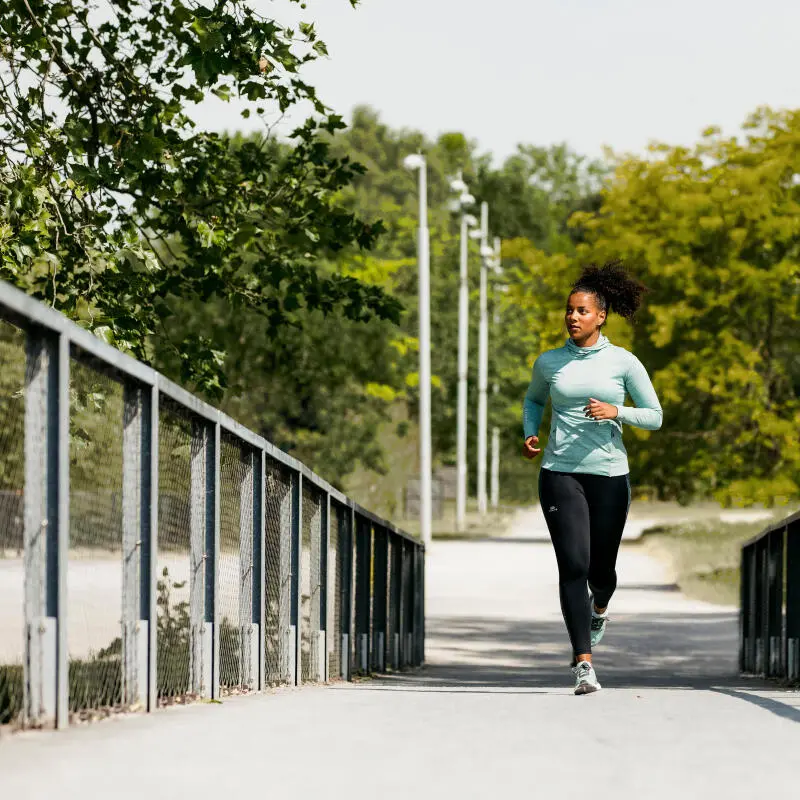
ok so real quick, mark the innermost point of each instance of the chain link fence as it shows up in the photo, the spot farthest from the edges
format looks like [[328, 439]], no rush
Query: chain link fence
[[153, 551], [95, 561], [12, 501], [335, 586], [173, 571]]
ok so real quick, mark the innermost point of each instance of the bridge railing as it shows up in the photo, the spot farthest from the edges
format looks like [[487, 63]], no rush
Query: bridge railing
[[154, 551], [770, 602]]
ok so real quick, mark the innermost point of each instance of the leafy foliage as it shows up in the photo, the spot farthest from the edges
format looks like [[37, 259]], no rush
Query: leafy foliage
[[112, 203], [713, 231]]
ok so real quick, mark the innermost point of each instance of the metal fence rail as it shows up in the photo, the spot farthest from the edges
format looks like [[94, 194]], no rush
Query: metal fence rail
[[153, 550], [769, 640]]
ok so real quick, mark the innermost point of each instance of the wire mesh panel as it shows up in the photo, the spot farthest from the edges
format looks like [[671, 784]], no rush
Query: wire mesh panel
[[310, 583], [792, 573], [393, 613], [95, 561], [12, 481], [236, 531], [408, 603], [363, 593], [380, 559], [334, 630], [174, 513], [277, 571]]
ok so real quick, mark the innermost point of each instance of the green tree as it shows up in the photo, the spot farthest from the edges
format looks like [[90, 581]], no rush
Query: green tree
[[532, 196], [534, 192], [112, 203], [713, 232]]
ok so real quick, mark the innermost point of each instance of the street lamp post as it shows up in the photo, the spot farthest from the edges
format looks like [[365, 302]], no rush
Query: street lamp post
[[483, 359], [495, 477], [467, 221], [417, 162]]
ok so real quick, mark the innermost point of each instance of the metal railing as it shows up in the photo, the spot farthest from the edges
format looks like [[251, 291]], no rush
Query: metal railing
[[153, 550], [769, 631]]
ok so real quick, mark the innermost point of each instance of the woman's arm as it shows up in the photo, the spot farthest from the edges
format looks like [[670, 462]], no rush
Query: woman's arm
[[648, 413], [535, 399]]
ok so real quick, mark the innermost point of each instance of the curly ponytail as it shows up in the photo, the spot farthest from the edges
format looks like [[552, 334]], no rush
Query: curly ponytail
[[614, 289]]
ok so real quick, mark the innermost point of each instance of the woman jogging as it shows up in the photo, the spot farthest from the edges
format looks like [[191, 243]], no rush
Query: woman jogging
[[584, 488]]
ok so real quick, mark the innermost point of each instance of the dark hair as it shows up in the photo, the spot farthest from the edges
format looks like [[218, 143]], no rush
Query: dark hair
[[614, 289]]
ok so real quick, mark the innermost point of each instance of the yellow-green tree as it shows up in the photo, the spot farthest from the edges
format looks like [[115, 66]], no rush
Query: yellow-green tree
[[714, 232]]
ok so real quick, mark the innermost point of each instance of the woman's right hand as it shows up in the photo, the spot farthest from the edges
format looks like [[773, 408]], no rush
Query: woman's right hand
[[530, 449]]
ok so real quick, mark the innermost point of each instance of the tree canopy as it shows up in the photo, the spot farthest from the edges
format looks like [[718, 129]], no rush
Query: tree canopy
[[113, 203], [714, 232]]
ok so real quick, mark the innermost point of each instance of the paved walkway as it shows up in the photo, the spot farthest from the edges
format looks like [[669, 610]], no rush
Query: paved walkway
[[491, 716]]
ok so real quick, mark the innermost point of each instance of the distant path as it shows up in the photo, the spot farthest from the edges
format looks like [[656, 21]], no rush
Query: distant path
[[492, 715]]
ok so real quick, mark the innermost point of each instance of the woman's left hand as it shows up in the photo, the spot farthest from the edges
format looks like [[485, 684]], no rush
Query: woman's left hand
[[598, 410]]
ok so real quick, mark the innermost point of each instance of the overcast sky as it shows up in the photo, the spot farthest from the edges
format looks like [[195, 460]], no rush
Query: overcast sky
[[589, 72]]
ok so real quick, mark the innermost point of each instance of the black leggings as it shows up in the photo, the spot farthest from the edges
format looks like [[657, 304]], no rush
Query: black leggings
[[585, 515]]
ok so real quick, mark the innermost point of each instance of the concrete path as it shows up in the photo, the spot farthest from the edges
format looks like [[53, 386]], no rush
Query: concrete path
[[491, 716]]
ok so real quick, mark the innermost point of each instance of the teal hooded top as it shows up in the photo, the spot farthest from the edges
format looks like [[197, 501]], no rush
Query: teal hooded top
[[570, 375]]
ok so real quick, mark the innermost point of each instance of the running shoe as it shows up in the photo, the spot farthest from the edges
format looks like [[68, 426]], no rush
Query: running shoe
[[598, 626], [585, 680]]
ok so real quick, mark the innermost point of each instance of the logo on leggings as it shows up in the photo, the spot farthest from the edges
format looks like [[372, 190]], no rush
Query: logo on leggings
[[552, 508]]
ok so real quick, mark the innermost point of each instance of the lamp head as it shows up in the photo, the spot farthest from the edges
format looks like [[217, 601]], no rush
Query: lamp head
[[466, 199], [414, 161], [471, 221], [477, 233], [458, 185], [486, 251]]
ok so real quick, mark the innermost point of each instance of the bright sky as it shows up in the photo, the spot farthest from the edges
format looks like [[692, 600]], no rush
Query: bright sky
[[589, 72]]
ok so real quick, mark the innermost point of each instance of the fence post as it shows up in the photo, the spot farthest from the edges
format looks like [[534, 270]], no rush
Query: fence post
[[46, 528], [149, 574], [346, 554], [379, 605], [412, 602], [259, 570], [352, 654], [213, 615], [247, 547], [136, 523], [324, 636], [419, 595], [792, 644], [296, 651]]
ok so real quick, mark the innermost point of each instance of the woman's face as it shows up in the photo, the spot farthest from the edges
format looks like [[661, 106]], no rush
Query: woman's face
[[583, 316]]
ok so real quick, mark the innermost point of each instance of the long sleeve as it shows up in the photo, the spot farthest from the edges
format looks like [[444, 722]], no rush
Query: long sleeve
[[648, 413], [535, 399]]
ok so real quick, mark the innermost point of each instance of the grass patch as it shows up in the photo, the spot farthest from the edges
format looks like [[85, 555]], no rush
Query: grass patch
[[705, 556]]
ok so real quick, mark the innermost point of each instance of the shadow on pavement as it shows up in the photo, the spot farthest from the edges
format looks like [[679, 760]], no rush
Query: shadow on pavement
[[643, 651], [782, 709], [695, 651]]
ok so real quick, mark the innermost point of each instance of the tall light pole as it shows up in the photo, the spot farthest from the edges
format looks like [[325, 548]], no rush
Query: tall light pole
[[467, 221], [417, 162], [495, 478], [483, 359]]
